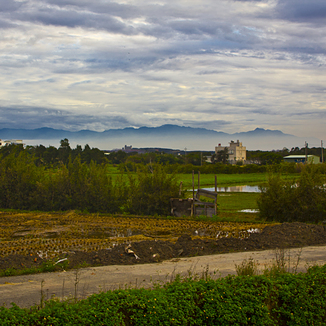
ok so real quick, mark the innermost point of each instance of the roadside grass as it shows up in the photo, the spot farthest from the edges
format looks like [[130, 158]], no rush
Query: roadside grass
[[284, 263], [46, 267]]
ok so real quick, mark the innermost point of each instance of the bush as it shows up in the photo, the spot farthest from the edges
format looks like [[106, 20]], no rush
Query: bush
[[284, 299], [289, 201], [150, 191], [18, 180]]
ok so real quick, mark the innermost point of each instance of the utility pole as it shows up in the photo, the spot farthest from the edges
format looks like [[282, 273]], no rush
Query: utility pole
[[322, 151], [306, 150]]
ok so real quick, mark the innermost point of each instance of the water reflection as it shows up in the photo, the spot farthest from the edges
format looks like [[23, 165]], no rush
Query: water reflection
[[236, 189]]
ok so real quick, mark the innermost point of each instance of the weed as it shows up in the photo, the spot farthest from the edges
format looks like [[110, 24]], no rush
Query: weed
[[42, 294], [282, 263], [249, 267], [77, 279]]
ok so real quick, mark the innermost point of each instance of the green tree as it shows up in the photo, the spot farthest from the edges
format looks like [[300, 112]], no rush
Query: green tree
[[19, 179], [303, 200], [64, 151], [222, 156], [150, 191], [194, 158], [117, 157]]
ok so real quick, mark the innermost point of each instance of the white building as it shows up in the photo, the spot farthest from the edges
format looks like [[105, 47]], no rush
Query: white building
[[236, 151]]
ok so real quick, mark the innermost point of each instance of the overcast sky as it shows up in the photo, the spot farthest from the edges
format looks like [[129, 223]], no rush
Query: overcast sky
[[225, 65]]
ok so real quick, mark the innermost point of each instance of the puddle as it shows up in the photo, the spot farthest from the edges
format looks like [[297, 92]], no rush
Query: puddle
[[249, 211], [235, 189]]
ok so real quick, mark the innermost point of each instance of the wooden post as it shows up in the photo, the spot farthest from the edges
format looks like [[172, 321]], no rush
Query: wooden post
[[215, 183], [198, 185], [193, 185], [180, 189], [193, 194]]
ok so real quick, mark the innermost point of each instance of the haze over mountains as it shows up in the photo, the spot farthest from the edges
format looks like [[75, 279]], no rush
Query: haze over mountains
[[165, 136]]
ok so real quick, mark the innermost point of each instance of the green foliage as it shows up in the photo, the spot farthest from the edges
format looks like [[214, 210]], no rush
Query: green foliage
[[52, 156], [247, 268], [265, 158], [83, 186], [117, 157], [150, 191], [222, 156], [18, 180], [216, 168], [47, 266], [303, 200], [285, 299]]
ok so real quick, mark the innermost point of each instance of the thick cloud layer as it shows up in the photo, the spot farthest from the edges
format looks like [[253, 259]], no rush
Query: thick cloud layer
[[228, 65]]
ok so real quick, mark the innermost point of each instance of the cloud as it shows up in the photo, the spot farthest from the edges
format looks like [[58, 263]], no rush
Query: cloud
[[9, 5], [312, 11], [70, 18], [229, 65], [34, 117]]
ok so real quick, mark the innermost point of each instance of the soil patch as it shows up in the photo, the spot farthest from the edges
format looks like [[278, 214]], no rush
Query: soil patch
[[286, 235]]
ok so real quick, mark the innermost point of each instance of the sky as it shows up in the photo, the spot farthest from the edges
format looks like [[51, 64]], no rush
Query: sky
[[225, 65]]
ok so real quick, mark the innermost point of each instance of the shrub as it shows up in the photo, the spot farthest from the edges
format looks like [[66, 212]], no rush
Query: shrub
[[150, 191], [289, 201], [247, 268], [18, 180]]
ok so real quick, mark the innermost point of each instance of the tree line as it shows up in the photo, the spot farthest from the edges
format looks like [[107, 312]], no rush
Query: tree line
[[301, 200], [26, 185]]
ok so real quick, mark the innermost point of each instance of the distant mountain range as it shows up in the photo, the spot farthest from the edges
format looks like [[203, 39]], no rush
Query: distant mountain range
[[166, 136]]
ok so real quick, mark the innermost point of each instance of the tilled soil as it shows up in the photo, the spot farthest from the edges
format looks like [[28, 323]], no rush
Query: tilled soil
[[286, 235]]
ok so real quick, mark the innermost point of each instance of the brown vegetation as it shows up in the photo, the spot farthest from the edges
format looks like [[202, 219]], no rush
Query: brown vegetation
[[29, 239]]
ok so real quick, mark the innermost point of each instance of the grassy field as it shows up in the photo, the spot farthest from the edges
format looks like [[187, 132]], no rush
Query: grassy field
[[209, 179], [223, 179], [231, 204]]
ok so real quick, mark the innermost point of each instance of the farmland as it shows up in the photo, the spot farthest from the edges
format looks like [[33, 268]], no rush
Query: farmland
[[52, 235], [108, 230]]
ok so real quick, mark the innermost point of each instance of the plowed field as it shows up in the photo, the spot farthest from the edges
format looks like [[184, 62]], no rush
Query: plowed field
[[29, 239]]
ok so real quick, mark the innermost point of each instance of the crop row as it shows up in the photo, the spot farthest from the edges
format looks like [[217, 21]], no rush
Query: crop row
[[29, 233]]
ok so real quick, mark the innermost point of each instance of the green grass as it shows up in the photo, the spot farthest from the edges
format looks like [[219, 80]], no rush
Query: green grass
[[231, 203], [228, 179], [209, 179], [222, 179], [235, 201], [47, 266]]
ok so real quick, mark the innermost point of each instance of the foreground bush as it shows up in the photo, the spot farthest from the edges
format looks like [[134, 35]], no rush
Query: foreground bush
[[303, 200], [286, 299]]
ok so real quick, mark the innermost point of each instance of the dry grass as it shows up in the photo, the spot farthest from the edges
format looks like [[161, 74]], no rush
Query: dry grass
[[48, 234]]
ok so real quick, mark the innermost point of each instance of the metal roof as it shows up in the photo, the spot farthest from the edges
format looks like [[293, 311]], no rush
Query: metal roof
[[299, 156]]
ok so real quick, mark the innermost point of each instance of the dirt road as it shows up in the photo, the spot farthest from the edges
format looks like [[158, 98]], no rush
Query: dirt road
[[28, 290]]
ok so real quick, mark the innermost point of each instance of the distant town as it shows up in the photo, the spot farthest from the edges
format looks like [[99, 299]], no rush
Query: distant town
[[233, 153]]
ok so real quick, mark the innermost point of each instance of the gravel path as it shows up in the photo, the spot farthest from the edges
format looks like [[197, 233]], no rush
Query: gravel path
[[26, 290]]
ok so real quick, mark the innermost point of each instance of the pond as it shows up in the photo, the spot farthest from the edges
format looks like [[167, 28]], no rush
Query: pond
[[235, 189]]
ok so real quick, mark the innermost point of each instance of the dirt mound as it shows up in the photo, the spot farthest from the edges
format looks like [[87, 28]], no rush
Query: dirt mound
[[286, 235]]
